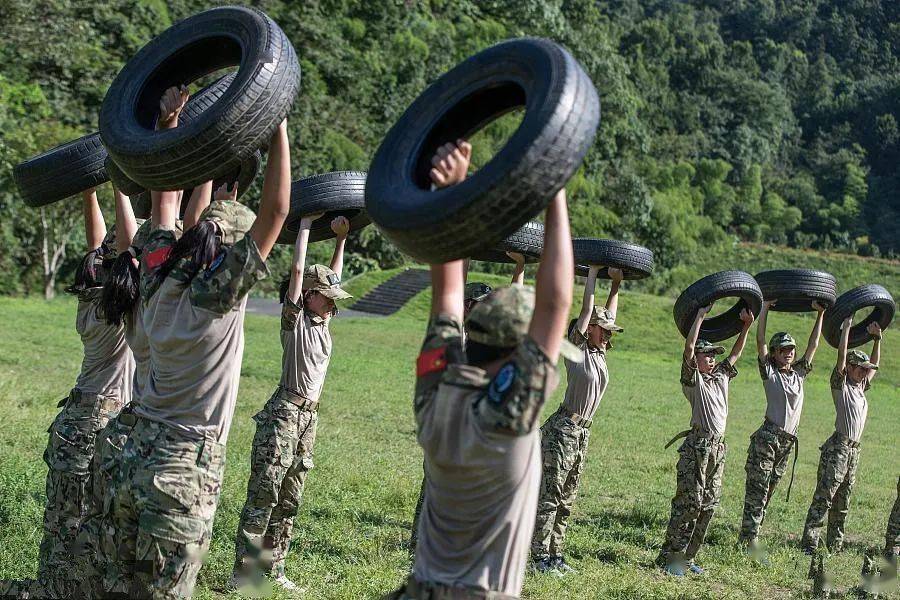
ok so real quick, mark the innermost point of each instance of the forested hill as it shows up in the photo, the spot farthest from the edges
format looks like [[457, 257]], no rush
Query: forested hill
[[770, 120]]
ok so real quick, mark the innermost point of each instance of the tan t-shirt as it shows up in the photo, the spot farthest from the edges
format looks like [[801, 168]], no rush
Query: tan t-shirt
[[587, 380], [482, 462], [850, 405], [195, 328], [784, 392], [107, 366], [140, 349], [306, 344], [708, 394]]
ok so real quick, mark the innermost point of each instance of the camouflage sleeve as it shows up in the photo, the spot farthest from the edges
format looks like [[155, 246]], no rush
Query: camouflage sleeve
[[803, 367], [518, 391], [291, 314], [725, 367], [765, 367], [229, 278], [689, 372], [441, 348], [837, 379], [154, 253], [578, 338]]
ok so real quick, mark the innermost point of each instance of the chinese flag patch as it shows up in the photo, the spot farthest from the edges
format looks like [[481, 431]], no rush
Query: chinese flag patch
[[157, 257], [431, 361]]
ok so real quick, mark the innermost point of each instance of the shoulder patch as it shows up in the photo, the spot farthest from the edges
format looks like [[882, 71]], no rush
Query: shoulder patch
[[502, 381], [431, 361], [157, 257], [215, 263]]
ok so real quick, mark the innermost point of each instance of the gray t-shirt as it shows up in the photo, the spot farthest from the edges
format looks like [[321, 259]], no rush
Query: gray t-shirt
[[850, 405], [708, 394], [306, 344], [140, 349], [587, 380], [107, 366], [196, 332], [482, 462], [784, 392]]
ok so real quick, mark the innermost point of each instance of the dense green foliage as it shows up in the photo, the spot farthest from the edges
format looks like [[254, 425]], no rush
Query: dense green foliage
[[767, 121]]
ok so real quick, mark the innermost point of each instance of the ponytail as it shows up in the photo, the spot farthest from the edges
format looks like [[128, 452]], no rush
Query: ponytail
[[87, 275], [121, 291], [200, 244]]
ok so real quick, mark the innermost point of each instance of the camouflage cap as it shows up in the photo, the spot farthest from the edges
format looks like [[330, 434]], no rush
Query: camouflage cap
[[860, 359], [233, 218], [502, 320], [704, 347], [603, 317], [325, 281], [144, 229], [477, 291], [782, 339]]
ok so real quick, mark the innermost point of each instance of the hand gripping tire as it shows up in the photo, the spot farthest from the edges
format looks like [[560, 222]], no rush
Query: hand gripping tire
[[724, 284], [635, 261], [796, 289], [865, 296], [341, 193], [527, 240], [561, 115], [231, 129], [64, 171]]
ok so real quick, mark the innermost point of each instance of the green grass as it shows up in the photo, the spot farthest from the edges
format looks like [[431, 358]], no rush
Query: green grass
[[351, 533]]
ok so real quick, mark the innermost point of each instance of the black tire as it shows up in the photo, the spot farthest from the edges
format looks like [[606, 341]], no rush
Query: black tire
[[229, 130], [64, 171], [865, 296], [635, 261], [796, 289], [341, 193], [527, 240], [724, 284], [561, 115]]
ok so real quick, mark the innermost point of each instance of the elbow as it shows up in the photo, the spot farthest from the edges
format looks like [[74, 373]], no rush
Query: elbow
[[553, 303]]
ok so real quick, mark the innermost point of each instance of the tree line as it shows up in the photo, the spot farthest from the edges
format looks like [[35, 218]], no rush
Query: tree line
[[768, 121]]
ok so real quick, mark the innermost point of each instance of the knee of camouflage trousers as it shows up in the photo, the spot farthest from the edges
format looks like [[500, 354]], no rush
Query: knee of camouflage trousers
[[170, 550]]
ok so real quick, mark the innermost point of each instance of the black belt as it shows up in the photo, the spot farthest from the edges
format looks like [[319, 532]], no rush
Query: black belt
[[697, 431], [576, 418], [298, 400]]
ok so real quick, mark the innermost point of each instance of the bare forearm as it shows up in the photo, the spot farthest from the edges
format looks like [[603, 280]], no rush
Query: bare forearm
[[691, 340], [276, 195], [738, 347], [337, 258], [876, 351], [814, 337], [94, 226], [295, 288], [842, 347], [761, 347], [612, 301], [518, 277], [197, 203], [164, 209], [126, 225], [447, 283], [587, 301]]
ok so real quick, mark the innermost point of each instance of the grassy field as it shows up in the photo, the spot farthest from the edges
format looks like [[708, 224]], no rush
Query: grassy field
[[352, 529]]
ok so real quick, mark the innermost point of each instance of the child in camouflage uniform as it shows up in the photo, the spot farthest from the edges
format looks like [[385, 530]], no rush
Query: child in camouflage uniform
[[282, 453], [158, 527], [851, 377], [102, 387], [771, 444], [565, 435], [476, 411], [702, 454]]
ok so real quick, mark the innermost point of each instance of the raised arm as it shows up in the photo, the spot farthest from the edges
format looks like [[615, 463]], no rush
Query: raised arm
[[298, 266], [519, 273], [341, 227], [874, 330], [587, 301], [612, 301], [164, 205], [94, 226], [197, 203], [448, 280], [816, 333], [553, 284], [126, 225], [276, 195], [762, 347], [691, 340], [741, 341], [841, 364]]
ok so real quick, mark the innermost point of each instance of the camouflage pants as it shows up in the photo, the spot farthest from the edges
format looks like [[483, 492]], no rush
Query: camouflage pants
[[837, 474], [701, 464], [414, 534], [156, 528], [69, 453], [892, 537], [563, 450], [767, 459], [281, 460]]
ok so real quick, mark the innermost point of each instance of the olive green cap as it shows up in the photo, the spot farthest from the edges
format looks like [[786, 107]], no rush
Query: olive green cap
[[704, 347], [233, 218], [782, 339]]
